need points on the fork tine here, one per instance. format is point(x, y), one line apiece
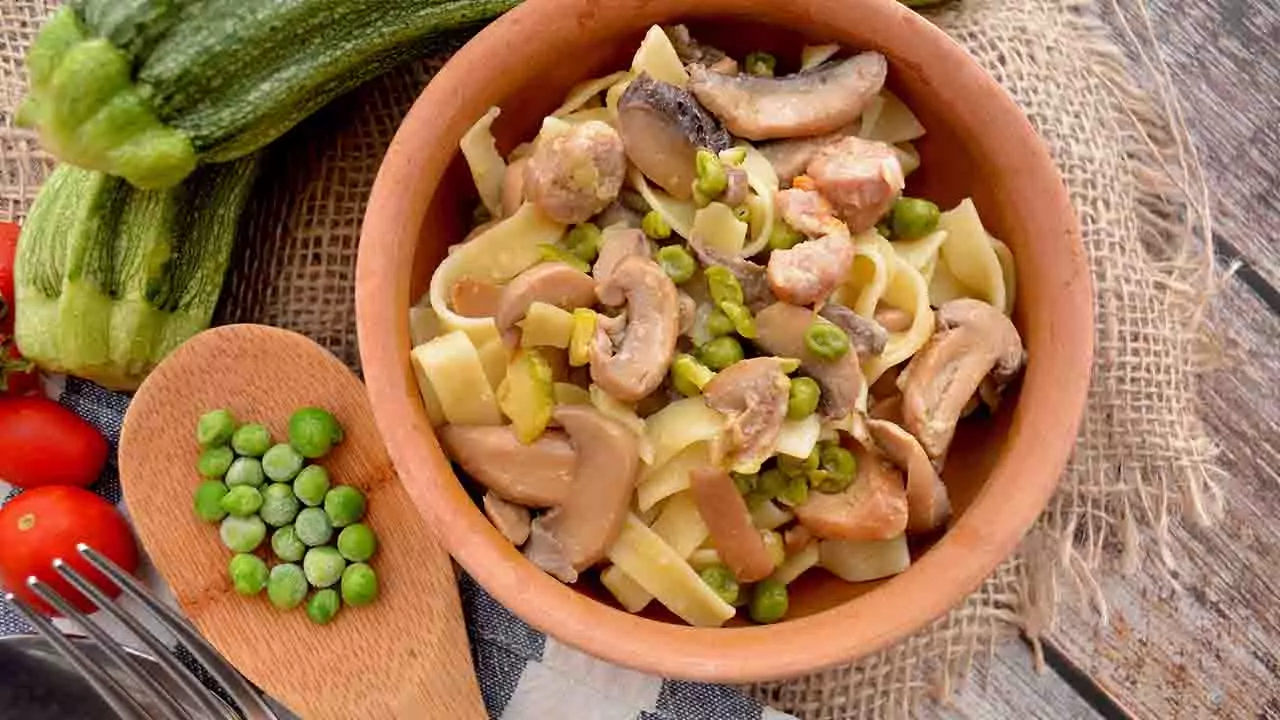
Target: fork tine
point(110, 691)
point(171, 709)
point(244, 694)
point(197, 692)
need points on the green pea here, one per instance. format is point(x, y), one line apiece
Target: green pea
point(241, 501)
point(839, 468)
point(796, 492)
point(279, 505)
point(215, 461)
point(311, 485)
point(248, 574)
point(282, 462)
point(745, 482)
point(313, 527)
point(826, 340)
point(242, 534)
point(769, 601)
point(208, 501)
point(286, 545)
point(783, 236)
point(584, 241)
point(711, 178)
point(359, 585)
point(913, 218)
point(772, 483)
point(655, 226)
point(287, 586)
point(323, 566)
point(721, 581)
point(723, 286)
point(719, 353)
point(688, 376)
point(741, 318)
point(357, 543)
point(323, 606)
point(245, 471)
point(755, 499)
point(554, 253)
point(251, 440)
point(803, 399)
point(760, 64)
point(344, 505)
point(313, 432)
point(718, 323)
point(677, 263)
point(799, 467)
point(215, 428)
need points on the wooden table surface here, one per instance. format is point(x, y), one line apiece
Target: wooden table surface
point(1210, 649)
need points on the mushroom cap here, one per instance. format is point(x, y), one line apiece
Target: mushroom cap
point(753, 396)
point(873, 507)
point(867, 336)
point(728, 520)
point(554, 283)
point(577, 532)
point(510, 519)
point(640, 363)
point(615, 244)
point(927, 502)
point(662, 126)
point(973, 340)
point(539, 474)
point(780, 330)
point(814, 102)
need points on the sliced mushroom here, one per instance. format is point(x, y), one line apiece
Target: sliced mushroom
point(928, 506)
point(893, 319)
point(809, 272)
point(553, 283)
point(753, 396)
point(576, 534)
point(816, 102)
point(728, 520)
point(513, 187)
point(539, 474)
point(640, 362)
point(576, 173)
point(692, 51)
point(790, 157)
point(512, 520)
point(809, 212)
point(973, 341)
point(618, 214)
point(470, 297)
point(737, 186)
point(751, 276)
point(688, 312)
point(867, 337)
point(616, 244)
point(662, 127)
point(780, 330)
point(873, 507)
point(861, 179)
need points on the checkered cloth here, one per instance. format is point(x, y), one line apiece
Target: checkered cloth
point(524, 675)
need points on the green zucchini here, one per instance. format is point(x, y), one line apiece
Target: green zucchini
point(148, 89)
point(109, 278)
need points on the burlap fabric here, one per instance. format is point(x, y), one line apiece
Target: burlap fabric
point(1141, 455)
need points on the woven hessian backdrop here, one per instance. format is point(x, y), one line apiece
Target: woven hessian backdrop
point(1142, 460)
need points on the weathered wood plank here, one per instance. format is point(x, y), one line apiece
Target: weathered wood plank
point(1008, 688)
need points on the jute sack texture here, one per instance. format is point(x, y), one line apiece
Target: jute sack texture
point(1142, 457)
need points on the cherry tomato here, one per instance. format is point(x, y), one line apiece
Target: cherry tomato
point(41, 525)
point(43, 443)
point(18, 376)
point(8, 249)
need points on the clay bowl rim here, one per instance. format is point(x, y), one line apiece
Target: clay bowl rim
point(1045, 420)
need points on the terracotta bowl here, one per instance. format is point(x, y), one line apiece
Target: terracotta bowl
point(1001, 472)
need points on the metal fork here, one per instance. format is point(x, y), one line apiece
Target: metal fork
point(166, 706)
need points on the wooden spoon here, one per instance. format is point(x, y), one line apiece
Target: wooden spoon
point(404, 656)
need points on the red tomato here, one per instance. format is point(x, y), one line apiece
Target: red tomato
point(18, 376)
point(41, 525)
point(43, 443)
point(8, 249)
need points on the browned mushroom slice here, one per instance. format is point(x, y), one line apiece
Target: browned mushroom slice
point(867, 337)
point(861, 179)
point(553, 283)
point(662, 127)
point(616, 244)
point(816, 102)
point(928, 506)
point(640, 362)
point(470, 297)
point(729, 522)
point(973, 341)
point(873, 507)
point(576, 533)
point(737, 186)
point(576, 173)
point(512, 520)
point(539, 474)
point(751, 276)
point(809, 272)
point(780, 330)
point(692, 51)
point(753, 396)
